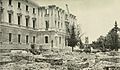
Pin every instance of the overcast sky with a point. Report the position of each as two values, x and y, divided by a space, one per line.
96 17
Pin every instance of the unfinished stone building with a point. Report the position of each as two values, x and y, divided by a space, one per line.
19 24
22 23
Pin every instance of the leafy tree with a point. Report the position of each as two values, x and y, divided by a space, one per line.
100 43
112 38
72 41
111 41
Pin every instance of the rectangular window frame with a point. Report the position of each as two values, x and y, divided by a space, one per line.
19 38
10 37
46 39
33 10
27 22
58 24
55 23
27 39
33 39
10 2
9 17
34 22
60 40
1 37
46 25
27 8
19 5
19 20
61 24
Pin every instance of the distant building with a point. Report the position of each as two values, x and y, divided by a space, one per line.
22 23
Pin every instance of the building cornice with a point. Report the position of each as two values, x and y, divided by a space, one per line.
30 2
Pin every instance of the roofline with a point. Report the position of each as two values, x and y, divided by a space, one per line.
31 2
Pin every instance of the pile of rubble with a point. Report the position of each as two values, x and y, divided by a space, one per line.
27 66
55 60
72 65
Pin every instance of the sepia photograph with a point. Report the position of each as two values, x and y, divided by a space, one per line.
59 35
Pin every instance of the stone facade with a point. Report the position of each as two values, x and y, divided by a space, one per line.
23 23
53 23
16 26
